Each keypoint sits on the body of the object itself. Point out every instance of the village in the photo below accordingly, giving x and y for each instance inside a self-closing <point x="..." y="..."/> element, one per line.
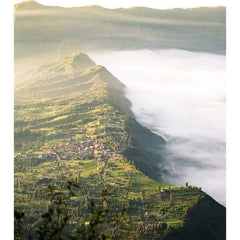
<point x="87" y="147"/>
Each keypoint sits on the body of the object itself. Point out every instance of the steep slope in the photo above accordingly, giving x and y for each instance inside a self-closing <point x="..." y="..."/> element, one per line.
<point x="72" y="121"/>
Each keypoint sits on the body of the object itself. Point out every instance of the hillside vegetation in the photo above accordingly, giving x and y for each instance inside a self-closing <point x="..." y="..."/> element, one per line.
<point x="73" y="123"/>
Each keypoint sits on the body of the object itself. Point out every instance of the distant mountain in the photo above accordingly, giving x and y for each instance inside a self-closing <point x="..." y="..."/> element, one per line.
<point x="72" y="120"/>
<point x="55" y="30"/>
<point x="24" y="5"/>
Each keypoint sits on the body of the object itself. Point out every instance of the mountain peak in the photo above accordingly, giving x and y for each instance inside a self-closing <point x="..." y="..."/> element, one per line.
<point x="80" y="60"/>
<point x="94" y="7"/>
<point x="27" y="5"/>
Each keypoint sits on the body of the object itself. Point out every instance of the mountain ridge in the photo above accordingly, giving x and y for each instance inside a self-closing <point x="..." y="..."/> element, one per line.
<point x="36" y="4"/>
<point x="82" y="78"/>
<point x="88" y="133"/>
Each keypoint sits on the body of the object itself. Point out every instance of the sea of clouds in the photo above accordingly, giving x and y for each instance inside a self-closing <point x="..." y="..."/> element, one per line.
<point x="179" y="95"/>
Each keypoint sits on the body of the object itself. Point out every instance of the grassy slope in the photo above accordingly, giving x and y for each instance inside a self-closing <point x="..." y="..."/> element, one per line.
<point x="43" y="29"/>
<point x="72" y="101"/>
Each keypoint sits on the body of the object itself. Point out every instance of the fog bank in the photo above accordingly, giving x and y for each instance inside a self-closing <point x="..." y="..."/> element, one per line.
<point x="179" y="95"/>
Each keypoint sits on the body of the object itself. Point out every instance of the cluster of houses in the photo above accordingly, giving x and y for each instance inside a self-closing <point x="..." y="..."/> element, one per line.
<point x="112" y="119"/>
<point x="87" y="147"/>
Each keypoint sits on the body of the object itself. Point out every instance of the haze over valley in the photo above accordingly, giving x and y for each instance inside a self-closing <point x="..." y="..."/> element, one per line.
<point x="46" y="32"/>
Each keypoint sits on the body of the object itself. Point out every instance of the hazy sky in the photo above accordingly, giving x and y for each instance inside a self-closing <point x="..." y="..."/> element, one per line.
<point x="131" y="3"/>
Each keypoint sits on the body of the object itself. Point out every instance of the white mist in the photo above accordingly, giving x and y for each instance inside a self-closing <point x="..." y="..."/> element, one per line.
<point x="179" y="95"/>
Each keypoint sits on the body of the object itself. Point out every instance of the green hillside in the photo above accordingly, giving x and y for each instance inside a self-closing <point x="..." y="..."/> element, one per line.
<point x="72" y="122"/>
<point x="49" y="30"/>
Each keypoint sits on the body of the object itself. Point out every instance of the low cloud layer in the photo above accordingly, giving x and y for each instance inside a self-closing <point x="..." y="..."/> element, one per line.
<point x="179" y="95"/>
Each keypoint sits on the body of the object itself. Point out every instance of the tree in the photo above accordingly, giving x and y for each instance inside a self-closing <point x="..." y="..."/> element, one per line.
<point x="54" y="223"/>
